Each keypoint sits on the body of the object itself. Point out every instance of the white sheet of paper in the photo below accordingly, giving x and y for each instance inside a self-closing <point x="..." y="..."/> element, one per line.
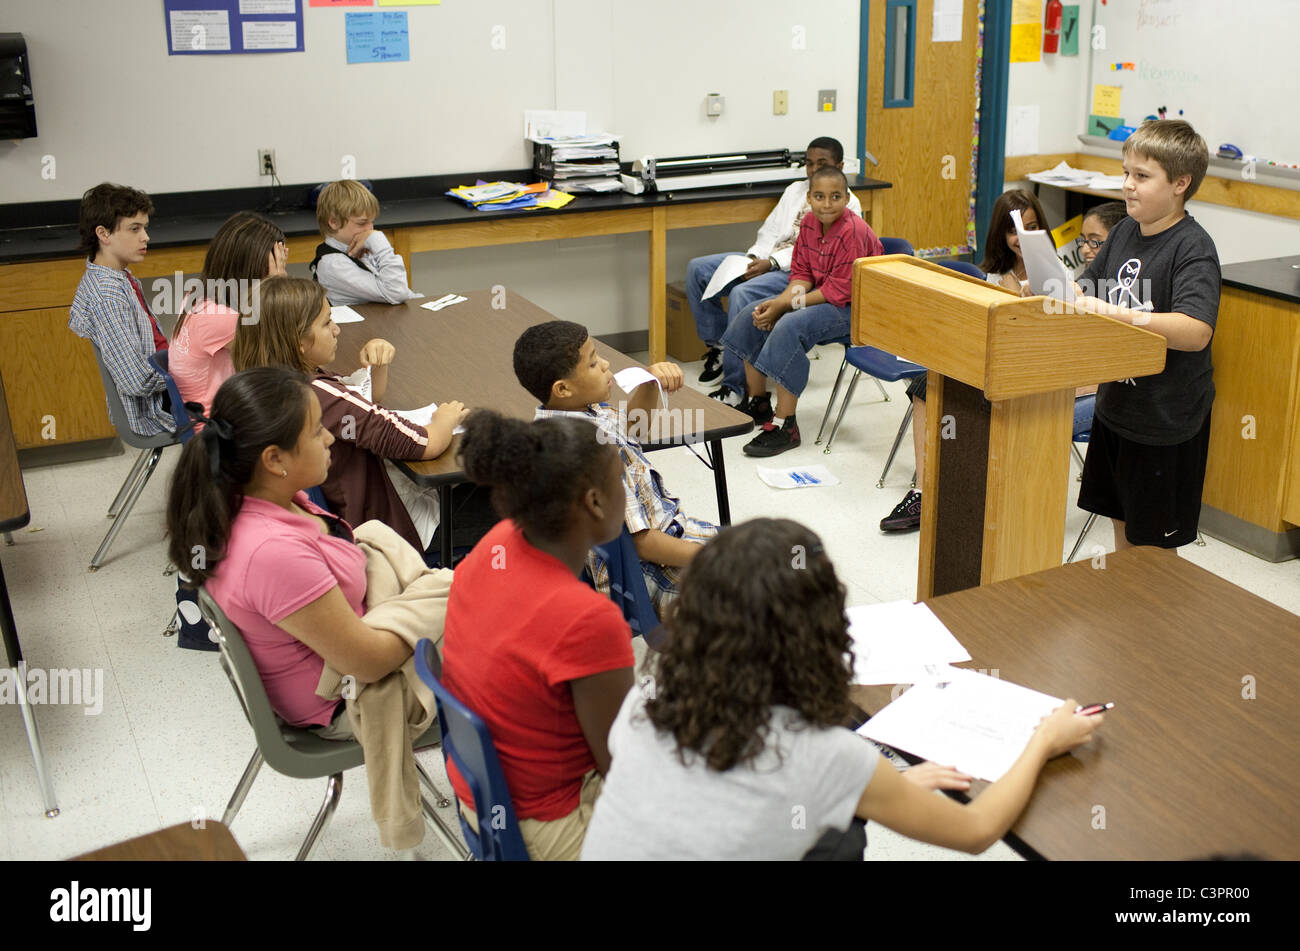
<point x="343" y="314"/>
<point x="445" y="301"/>
<point x="800" y="477"/>
<point x="732" y="267"/>
<point x="947" y="22"/>
<point x="359" y="381"/>
<point x="976" y="723"/>
<point x="1047" y="273"/>
<point x="548" y="123"/>
<point x="1022" y="132"/>
<point x="200" y="30"/>
<point x="270" y="34"/>
<point x="630" y="378"/>
<point x="424" y="416"/>
<point x="894" y="642"/>
<point x="254" y="7"/>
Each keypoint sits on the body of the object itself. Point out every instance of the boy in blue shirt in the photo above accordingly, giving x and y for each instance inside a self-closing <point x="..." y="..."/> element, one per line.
<point x="1158" y="269"/>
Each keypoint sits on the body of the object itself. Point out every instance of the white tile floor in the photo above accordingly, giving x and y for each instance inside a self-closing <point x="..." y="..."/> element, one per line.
<point x="170" y="742"/>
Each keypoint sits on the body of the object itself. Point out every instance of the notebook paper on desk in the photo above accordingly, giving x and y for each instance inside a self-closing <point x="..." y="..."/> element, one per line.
<point x="894" y="643"/>
<point x="976" y="723"/>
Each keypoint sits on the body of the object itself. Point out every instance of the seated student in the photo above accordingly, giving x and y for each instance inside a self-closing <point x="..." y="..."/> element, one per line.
<point x="557" y="363"/>
<point x="745" y="723"/>
<point x="355" y="263"/>
<point x="287" y="573"/>
<point x="110" y="310"/>
<point x="543" y="659"/>
<point x="294" y="329"/>
<point x="1097" y="224"/>
<point x="1004" y="266"/>
<point x="767" y="274"/>
<point x="246" y="249"/>
<point x="774" y="336"/>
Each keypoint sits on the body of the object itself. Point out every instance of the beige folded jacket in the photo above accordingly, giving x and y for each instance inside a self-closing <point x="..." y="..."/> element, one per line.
<point x="410" y="600"/>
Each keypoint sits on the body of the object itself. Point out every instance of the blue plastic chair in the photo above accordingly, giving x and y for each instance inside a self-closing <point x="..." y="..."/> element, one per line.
<point x="467" y="743"/>
<point x="627" y="586"/>
<point x="184" y="422"/>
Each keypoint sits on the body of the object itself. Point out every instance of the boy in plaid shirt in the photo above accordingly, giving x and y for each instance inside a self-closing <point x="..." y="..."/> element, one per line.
<point x="558" y="364"/>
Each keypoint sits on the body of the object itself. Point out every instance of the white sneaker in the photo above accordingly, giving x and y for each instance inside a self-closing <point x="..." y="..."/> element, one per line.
<point x="725" y="394"/>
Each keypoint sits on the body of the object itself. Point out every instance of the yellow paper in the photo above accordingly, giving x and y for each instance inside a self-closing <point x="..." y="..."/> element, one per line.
<point x="1105" y="101"/>
<point x="1026" y="11"/>
<point x="1068" y="231"/>
<point x="1026" y="42"/>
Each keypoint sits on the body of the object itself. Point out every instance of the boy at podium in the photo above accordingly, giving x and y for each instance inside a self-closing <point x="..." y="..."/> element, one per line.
<point x="773" y="336"/>
<point x="1158" y="269"/>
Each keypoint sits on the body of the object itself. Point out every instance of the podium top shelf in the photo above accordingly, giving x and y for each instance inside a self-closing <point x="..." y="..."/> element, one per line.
<point x="988" y="337"/>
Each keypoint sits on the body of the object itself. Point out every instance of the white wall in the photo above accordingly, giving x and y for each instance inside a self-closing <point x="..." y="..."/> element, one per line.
<point x="112" y="105"/>
<point x="1061" y="87"/>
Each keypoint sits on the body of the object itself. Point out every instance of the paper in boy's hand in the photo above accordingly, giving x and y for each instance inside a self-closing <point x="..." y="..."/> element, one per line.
<point x="629" y="379"/>
<point x="1046" y="272"/>
<point x="424" y="416"/>
<point x="343" y="314"/>
<point x="733" y="266"/>
<point x="358" y="382"/>
<point x="800" y="477"/>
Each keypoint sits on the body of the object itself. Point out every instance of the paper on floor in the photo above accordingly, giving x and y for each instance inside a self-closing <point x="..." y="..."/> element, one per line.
<point x="894" y="643"/>
<point x="976" y="723"/>
<point x="800" y="477"/>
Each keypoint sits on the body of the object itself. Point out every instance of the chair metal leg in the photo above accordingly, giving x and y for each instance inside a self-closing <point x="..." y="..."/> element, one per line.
<point x="844" y="407"/>
<point x="38" y="751"/>
<point x="143" y="480"/>
<point x="902" y="428"/>
<point x="1078" y="457"/>
<point x="9" y="538"/>
<point x="241" y="791"/>
<point x="440" y="828"/>
<point x="128" y="482"/>
<point x="174" y="625"/>
<point x="169" y="570"/>
<point x="1087" y="526"/>
<point x="881" y="387"/>
<point x="830" y="404"/>
<point x="333" y="790"/>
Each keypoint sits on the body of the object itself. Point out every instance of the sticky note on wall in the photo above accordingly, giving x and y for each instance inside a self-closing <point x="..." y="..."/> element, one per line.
<point x="1105" y="100"/>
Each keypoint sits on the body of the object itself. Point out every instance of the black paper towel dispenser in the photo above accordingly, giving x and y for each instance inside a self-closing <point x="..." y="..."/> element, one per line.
<point x="17" y="105"/>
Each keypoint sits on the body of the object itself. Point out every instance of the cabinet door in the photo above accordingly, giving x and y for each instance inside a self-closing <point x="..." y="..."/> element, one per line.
<point x="55" y="396"/>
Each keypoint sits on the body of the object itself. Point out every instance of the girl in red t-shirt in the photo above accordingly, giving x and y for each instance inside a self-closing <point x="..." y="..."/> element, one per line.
<point x="542" y="657"/>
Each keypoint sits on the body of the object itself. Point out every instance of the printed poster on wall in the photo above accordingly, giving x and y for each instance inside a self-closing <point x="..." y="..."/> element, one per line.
<point x="201" y="27"/>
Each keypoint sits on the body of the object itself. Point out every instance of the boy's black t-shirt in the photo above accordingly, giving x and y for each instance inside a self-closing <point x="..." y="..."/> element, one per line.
<point x="1175" y="271"/>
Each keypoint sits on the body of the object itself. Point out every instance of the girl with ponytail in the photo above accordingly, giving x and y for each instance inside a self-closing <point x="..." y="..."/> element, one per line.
<point x="542" y="657"/>
<point x="286" y="573"/>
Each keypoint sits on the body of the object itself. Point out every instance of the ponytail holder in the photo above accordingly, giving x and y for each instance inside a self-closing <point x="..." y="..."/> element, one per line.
<point x="219" y="428"/>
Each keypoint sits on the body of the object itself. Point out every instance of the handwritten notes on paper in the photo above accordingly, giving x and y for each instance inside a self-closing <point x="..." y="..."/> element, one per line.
<point x="379" y="37"/>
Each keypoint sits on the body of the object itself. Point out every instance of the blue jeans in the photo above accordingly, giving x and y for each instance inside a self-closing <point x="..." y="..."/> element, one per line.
<point x="782" y="352"/>
<point x="711" y="320"/>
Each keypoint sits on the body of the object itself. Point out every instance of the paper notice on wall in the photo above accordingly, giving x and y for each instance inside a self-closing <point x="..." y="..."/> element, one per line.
<point x="946" y="27"/>
<point x="1022" y="131"/>
<point x="1026" y="42"/>
<point x="200" y="31"/>
<point x="1105" y="100"/>
<point x="270" y="35"/>
<point x="255" y="7"/>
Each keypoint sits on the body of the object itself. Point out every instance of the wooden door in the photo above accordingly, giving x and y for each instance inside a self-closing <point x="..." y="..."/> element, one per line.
<point x="925" y="149"/>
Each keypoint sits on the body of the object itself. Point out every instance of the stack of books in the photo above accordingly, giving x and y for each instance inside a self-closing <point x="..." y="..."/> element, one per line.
<point x="578" y="163"/>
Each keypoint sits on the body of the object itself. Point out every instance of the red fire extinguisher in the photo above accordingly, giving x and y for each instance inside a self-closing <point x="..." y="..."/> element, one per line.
<point x="1052" y="28"/>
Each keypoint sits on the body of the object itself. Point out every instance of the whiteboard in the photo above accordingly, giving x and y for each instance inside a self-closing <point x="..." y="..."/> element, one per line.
<point x="1230" y="67"/>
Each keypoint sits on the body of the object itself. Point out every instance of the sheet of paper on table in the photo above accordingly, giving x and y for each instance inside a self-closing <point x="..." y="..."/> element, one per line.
<point x="732" y="267"/>
<point x="894" y="643"/>
<point x="446" y="300"/>
<point x="977" y="723"/>
<point x="344" y="314"/>
<point x="424" y="416"/>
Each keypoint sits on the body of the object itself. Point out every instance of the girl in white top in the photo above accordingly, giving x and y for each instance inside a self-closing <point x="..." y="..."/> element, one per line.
<point x="734" y="746"/>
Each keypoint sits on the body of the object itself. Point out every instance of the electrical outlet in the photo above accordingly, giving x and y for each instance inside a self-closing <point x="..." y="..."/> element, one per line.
<point x="713" y="105"/>
<point x="780" y="102"/>
<point x="266" y="161"/>
<point x="826" y="100"/>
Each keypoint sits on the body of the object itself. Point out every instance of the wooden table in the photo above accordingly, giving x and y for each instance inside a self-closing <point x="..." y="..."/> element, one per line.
<point x="180" y="843"/>
<point x="14" y="514"/>
<point x="1185" y="766"/>
<point x="465" y="352"/>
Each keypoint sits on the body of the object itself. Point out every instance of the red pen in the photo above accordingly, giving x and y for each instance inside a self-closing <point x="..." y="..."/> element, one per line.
<point x="1093" y="709"/>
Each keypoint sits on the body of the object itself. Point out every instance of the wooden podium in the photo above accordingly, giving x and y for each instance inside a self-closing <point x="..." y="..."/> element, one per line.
<point x="999" y="409"/>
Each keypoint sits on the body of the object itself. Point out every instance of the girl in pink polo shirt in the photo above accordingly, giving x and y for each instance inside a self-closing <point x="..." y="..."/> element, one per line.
<point x="245" y="250"/>
<point x="285" y="572"/>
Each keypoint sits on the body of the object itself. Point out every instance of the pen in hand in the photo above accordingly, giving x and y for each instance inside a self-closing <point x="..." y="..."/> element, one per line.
<point x="1092" y="709"/>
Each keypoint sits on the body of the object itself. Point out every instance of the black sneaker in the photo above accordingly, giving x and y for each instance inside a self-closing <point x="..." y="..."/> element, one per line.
<point x="905" y="516"/>
<point x="774" y="440"/>
<point x="758" y="407"/>
<point x="725" y="394"/>
<point x="712" y="365"/>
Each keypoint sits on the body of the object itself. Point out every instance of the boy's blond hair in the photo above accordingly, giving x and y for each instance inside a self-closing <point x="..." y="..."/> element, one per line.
<point x="1175" y="146"/>
<point x="342" y="200"/>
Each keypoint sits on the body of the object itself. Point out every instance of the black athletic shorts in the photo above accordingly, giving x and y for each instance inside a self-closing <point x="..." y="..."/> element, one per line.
<point x="1154" y="490"/>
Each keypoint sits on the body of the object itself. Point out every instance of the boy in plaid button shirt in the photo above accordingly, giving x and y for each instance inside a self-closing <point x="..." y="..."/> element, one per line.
<point x="558" y="364"/>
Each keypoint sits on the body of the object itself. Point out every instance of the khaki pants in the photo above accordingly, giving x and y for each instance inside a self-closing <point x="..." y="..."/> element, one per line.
<point x="559" y="840"/>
